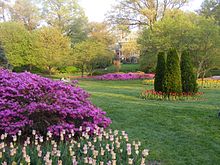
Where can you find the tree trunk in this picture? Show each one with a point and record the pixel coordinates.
(82, 71)
(30, 67)
(203, 76)
(50, 70)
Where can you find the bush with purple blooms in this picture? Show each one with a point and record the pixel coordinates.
(28, 102)
(124, 76)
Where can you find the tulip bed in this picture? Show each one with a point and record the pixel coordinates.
(153, 95)
(207, 83)
(104, 147)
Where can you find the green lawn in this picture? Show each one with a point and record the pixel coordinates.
(175, 132)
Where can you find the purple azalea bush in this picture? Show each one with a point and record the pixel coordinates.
(124, 76)
(30, 102)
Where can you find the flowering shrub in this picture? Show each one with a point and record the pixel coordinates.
(124, 76)
(28, 101)
(103, 148)
(153, 95)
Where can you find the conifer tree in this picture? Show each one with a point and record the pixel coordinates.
(172, 79)
(189, 84)
(160, 71)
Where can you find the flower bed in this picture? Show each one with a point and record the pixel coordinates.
(104, 148)
(209, 83)
(153, 95)
(28, 101)
(124, 76)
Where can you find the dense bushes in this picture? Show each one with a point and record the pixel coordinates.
(172, 79)
(160, 72)
(28, 101)
(189, 84)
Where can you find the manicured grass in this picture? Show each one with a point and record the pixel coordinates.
(175, 132)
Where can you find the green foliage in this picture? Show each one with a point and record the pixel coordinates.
(52, 48)
(211, 8)
(17, 43)
(172, 79)
(87, 55)
(160, 72)
(215, 72)
(125, 68)
(62, 13)
(189, 84)
(23, 68)
(68, 69)
(147, 61)
(182, 31)
(78, 30)
(101, 33)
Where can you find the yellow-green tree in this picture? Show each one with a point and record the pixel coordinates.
(130, 48)
(101, 33)
(87, 53)
(17, 43)
(52, 48)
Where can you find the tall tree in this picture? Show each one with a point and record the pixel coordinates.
(189, 84)
(184, 31)
(160, 72)
(78, 29)
(211, 8)
(130, 48)
(52, 48)
(61, 13)
(101, 33)
(207, 7)
(172, 79)
(87, 53)
(26, 12)
(141, 12)
(17, 43)
(207, 37)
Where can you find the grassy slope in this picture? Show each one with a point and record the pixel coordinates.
(175, 132)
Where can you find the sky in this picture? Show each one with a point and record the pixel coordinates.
(96, 9)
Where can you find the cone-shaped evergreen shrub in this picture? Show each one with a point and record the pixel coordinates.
(189, 84)
(160, 71)
(172, 79)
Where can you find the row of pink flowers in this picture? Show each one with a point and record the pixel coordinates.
(124, 76)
